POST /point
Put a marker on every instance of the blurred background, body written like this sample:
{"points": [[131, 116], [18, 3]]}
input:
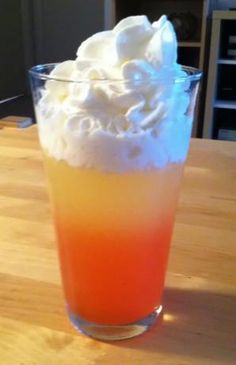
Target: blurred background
{"points": [[44, 31]]}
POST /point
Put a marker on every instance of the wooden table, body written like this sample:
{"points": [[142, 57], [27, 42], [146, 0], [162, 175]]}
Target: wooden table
{"points": [[199, 324]]}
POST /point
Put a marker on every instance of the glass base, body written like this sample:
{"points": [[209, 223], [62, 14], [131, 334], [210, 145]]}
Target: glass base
{"points": [[114, 332]]}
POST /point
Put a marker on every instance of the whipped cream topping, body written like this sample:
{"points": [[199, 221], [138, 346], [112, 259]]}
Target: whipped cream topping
{"points": [[117, 106]]}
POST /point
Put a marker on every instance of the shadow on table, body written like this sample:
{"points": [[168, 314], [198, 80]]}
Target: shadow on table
{"points": [[195, 324]]}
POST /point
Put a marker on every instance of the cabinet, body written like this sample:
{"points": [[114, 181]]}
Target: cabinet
{"points": [[220, 107], [189, 18]]}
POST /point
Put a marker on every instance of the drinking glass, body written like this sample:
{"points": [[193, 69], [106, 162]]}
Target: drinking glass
{"points": [[114, 227]]}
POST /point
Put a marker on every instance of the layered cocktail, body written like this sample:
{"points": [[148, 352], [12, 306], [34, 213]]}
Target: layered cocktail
{"points": [[114, 127]]}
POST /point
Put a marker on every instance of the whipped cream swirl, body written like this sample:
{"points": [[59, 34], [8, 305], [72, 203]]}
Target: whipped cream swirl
{"points": [[117, 106]]}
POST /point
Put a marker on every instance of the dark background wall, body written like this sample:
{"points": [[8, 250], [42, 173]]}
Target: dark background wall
{"points": [[61, 25], [40, 31], [12, 51]]}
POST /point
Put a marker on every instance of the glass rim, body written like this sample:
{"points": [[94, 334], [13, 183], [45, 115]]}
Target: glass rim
{"points": [[37, 71]]}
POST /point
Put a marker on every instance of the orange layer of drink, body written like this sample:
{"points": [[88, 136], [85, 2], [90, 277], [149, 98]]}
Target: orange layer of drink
{"points": [[114, 232]]}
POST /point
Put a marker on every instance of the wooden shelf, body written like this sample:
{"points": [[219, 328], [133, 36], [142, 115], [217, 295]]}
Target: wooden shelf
{"points": [[224, 14], [192, 49], [189, 44], [226, 61], [219, 113], [225, 104]]}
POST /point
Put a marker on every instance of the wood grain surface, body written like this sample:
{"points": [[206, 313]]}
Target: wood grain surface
{"points": [[199, 323]]}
